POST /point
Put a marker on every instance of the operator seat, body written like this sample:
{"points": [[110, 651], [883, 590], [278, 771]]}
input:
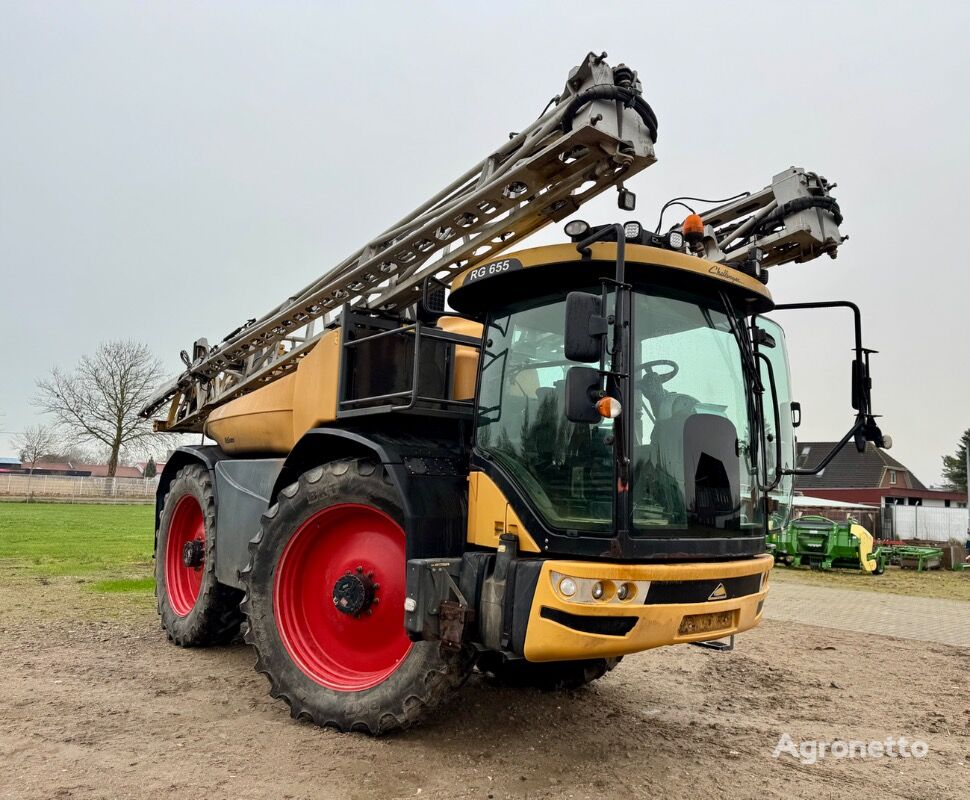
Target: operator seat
{"points": [[712, 471], [691, 466]]}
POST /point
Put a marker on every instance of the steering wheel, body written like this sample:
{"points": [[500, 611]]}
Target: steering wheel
{"points": [[661, 362]]}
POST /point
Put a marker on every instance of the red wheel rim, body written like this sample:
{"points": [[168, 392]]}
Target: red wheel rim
{"points": [[339, 650], [182, 583]]}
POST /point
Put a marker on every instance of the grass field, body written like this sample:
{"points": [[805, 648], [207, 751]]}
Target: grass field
{"points": [[941, 583], [108, 546]]}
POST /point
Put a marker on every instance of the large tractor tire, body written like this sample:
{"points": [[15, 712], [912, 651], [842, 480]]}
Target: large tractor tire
{"points": [[325, 591], [547, 676], [196, 610]]}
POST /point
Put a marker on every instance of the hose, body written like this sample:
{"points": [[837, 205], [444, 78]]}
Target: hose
{"points": [[628, 97], [777, 216]]}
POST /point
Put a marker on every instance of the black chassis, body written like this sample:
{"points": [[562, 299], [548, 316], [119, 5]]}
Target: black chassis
{"points": [[430, 476]]}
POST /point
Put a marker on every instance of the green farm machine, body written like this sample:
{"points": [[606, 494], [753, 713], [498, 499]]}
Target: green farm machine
{"points": [[821, 543]]}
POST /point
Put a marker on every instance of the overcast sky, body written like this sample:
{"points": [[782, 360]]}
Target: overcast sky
{"points": [[168, 170]]}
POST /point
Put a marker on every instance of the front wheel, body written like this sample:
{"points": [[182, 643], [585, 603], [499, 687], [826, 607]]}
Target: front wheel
{"points": [[325, 592]]}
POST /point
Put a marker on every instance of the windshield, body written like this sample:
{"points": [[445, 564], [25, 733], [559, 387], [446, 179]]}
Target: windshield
{"points": [[565, 468], [691, 419], [693, 449]]}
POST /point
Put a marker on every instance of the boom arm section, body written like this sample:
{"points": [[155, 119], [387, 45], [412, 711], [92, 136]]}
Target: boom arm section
{"points": [[793, 219], [598, 132]]}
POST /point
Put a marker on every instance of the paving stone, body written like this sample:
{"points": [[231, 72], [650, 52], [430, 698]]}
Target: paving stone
{"points": [[927, 619]]}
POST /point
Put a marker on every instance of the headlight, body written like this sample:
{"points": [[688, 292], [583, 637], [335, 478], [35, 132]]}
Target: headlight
{"points": [[675, 240], [590, 590], [626, 591]]}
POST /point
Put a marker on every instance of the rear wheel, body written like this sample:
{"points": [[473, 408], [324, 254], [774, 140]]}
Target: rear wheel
{"points": [[325, 605], [549, 676], [195, 609]]}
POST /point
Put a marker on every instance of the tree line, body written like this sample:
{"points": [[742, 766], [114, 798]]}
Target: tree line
{"points": [[93, 409]]}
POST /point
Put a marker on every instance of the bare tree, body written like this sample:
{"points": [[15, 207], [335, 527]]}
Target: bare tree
{"points": [[33, 444], [98, 401], [65, 453]]}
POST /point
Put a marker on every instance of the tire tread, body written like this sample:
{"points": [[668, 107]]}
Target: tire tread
{"points": [[215, 619], [382, 712]]}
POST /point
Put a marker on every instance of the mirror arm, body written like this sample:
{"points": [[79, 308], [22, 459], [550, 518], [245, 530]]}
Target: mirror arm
{"points": [[865, 428], [598, 235], [859, 425], [622, 382], [857, 315], [861, 353], [604, 304]]}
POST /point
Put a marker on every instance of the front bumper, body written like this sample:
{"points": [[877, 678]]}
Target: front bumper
{"points": [[560, 628]]}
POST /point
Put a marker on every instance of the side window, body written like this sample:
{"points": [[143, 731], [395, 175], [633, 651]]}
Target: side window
{"points": [[779, 499]]}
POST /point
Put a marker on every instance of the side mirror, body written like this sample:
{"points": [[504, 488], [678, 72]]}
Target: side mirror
{"points": [[859, 379], [582, 391], [762, 338], [586, 327], [796, 413]]}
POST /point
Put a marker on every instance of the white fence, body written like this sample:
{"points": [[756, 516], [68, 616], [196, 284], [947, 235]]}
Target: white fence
{"points": [[64, 488], [932, 524]]}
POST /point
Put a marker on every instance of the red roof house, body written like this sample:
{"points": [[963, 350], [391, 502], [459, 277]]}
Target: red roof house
{"points": [[873, 477]]}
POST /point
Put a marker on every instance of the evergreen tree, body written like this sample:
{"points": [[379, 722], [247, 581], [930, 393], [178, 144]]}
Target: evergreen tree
{"points": [[955, 466]]}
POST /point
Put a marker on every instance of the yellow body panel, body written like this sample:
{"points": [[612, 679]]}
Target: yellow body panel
{"points": [[489, 515], [274, 417], [636, 254], [261, 421], [865, 547], [657, 624], [466, 358], [315, 393]]}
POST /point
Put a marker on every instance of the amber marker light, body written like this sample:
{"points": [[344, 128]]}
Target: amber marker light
{"points": [[693, 227], [609, 407]]}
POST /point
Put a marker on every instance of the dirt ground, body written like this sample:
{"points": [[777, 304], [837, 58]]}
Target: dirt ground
{"points": [[95, 703]]}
